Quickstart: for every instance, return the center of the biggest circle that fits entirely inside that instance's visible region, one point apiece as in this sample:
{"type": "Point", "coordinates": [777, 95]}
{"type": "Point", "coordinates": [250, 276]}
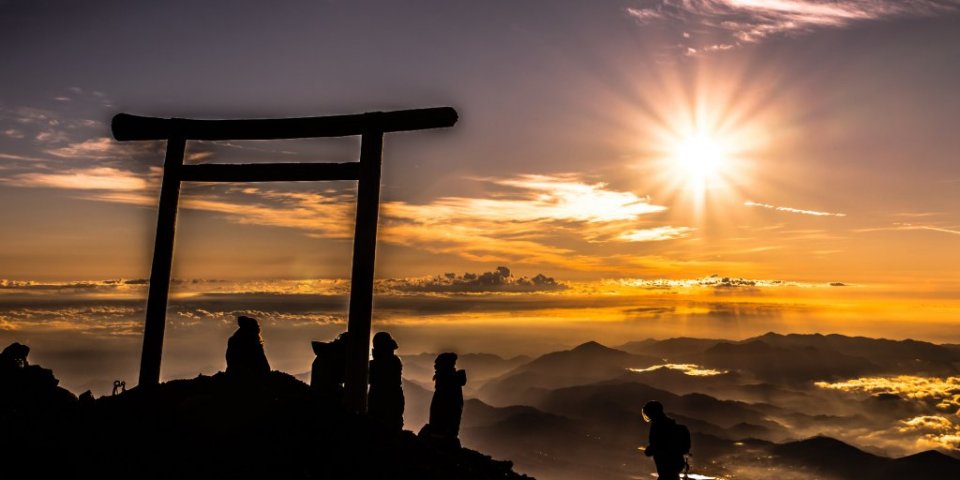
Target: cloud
{"type": "Point", "coordinates": [96, 178]}
{"type": "Point", "coordinates": [322, 215]}
{"type": "Point", "coordinates": [103, 149]}
{"type": "Point", "coordinates": [518, 221]}
{"type": "Point", "coordinates": [713, 281]}
{"type": "Point", "coordinates": [20, 158]}
{"type": "Point", "coordinates": [655, 234]}
{"type": "Point", "coordinates": [944, 392]}
{"type": "Point", "coordinates": [525, 219]}
{"type": "Point", "coordinates": [541, 198]}
{"type": "Point", "coordinates": [739, 22]}
{"type": "Point", "coordinates": [794, 210]}
{"type": "Point", "coordinates": [115, 319]}
{"type": "Point", "coordinates": [940, 396]}
{"type": "Point", "coordinates": [688, 369]}
{"type": "Point", "coordinates": [932, 228]}
{"type": "Point", "coordinates": [499, 280]}
{"type": "Point", "coordinates": [644, 15]}
{"type": "Point", "coordinates": [898, 226]}
{"type": "Point", "coordinates": [94, 148]}
{"type": "Point", "coordinates": [46, 127]}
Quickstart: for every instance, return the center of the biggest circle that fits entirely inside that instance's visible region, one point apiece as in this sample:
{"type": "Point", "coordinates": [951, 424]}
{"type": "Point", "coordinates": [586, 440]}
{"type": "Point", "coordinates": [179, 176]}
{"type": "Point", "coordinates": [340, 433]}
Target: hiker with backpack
{"type": "Point", "coordinates": [669, 442]}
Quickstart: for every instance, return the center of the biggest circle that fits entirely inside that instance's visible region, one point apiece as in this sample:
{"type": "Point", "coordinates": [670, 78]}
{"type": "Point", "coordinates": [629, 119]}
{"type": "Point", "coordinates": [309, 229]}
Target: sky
{"type": "Point", "coordinates": [704, 168]}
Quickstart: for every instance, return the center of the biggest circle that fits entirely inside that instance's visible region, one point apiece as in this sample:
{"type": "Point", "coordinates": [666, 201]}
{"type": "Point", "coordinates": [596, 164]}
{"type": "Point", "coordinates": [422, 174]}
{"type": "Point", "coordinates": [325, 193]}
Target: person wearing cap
{"type": "Point", "coordinates": [385, 401]}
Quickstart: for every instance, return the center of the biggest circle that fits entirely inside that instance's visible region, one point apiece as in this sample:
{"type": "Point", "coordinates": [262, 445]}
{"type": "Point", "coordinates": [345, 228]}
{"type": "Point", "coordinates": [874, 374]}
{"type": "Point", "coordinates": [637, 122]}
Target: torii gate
{"type": "Point", "coordinates": [370, 126]}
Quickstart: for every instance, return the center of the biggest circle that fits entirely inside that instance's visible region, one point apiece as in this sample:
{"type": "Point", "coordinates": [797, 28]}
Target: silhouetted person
{"type": "Point", "coordinates": [245, 357]}
{"type": "Point", "coordinates": [14, 358]}
{"type": "Point", "coordinates": [666, 442]}
{"type": "Point", "coordinates": [28, 390]}
{"type": "Point", "coordinates": [16, 371]}
{"type": "Point", "coordinates": [385, 401]}
{"type": "Point", "coordinates": [329, 368]}
{"type": "Point", "coordinates": [446, 407]}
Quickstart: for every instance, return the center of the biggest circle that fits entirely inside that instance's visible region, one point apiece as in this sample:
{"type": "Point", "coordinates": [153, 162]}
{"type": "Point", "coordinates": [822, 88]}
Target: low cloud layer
{"type": "Point", "coordinates": [940, 397]}
{"type": "Point", "coordinates": [499, 280]}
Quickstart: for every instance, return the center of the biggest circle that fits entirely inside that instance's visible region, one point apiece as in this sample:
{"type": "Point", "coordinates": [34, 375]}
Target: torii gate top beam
{"type": "Point", "coordinates": [177, 131]}
{"type": "Point", "coordinates": [133, 127]}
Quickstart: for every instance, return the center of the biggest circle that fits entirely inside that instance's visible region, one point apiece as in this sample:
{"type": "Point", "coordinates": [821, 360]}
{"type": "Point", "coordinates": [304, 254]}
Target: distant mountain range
{"type": "Point", "coordinates": [751, 405]}
{"type": "Point", "coordinates": [827, 456]}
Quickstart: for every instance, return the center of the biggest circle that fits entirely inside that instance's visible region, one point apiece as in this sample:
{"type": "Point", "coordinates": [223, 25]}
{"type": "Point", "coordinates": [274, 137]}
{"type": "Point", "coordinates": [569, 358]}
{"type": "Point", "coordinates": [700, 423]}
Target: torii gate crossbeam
{"type": "Point", "coordinates": [370, 126]}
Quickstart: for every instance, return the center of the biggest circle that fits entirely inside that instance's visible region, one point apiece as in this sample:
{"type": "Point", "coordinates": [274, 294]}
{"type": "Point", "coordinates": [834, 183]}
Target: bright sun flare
{"type": "Point", "coordinates": [700, 158]}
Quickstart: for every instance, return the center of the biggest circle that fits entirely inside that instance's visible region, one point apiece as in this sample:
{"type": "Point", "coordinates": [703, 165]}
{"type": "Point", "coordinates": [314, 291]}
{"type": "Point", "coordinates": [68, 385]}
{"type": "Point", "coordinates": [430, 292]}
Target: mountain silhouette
{"type": "Point", "coordinates": [587, 363]}
{"type": "Point", "coordinates": [789, 365]}
{"type": "Point", "coordinates": [579, 409]}
{"type": "Point", "coordinates": [670, 348]}
{"type": "Point", "coordinates": [814, 356]}
{"type": "Point", "coordinates": [829, 456]}
{"type": "Point", "coordinates": [894, 356]}
{"type": "Point", "coordinates": [482, 367]}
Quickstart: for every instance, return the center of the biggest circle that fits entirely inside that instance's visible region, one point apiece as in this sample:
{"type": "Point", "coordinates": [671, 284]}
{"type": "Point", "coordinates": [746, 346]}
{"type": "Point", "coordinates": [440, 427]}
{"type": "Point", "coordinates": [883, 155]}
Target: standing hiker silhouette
{"type": "Point", "coordinates": [446, 408]}
{"type": "Point", "coordinates": [669, 442]}
{"type": "Point", "coordinates": [385, 403]}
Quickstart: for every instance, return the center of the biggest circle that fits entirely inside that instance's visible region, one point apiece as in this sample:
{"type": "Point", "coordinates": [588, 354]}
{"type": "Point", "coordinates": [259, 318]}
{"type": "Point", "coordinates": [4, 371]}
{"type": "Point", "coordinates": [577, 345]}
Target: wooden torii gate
{"type": "Point", "coordinates": [370, 126]}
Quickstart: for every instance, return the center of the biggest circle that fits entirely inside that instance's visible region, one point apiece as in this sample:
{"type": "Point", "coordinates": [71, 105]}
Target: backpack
{"type": "Point", "coordinates": [680, 439]}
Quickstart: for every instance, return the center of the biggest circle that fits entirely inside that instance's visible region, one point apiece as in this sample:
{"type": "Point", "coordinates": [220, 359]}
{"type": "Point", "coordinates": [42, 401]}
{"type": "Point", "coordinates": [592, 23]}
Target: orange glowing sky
{"type": "Point", "coordinates": [796, 145]}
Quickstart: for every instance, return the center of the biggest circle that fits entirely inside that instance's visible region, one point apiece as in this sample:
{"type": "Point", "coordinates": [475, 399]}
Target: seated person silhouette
{"type": "Point", "coordinates": [665, 442]}
{"type": "Point", "coordinates": [385, 401]}
{"type": "Point", "coordinates": [329, 369]}
{"type": "Point", "coordinates": [14, 357]}
{"type": "Point", "coordinates": [17, 372]}
{"type": "Point", "coordinates": [245, 356]}
{"type": "Point", "coordinates": [446, 408]}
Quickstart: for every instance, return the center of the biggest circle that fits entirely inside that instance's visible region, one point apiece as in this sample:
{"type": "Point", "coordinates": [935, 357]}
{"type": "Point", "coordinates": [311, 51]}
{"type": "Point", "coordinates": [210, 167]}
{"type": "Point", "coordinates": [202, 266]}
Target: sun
{"type": "Point", "coordinates": [700, 166]}
{"type": "Point", "coordinates": [701, 158]}
{"type": "Point", "coordinates": [700, 161]}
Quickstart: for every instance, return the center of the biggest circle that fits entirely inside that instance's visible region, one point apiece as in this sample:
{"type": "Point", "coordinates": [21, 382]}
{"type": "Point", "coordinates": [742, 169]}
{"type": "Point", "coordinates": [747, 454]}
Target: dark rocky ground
{"type": "Point", "coordinates": [213, 427]}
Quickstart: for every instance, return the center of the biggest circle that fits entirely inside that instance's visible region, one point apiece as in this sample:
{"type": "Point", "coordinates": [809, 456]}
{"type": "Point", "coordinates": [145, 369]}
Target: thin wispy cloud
{"type": "Point", "coordinates": [749, 21]}
{"type": "Point", "coordinates": [931, 228]}
{"type": "Point", "coordinates": [317, 214]}
{"type": "Point", "coordinates": [951, 230]}
{"type": "Point", "coordinates": [97, 178]}
{"type": "Point", "coordinates": [800, 211]}
{"type": "Point", "coordinates": [656, 234]}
